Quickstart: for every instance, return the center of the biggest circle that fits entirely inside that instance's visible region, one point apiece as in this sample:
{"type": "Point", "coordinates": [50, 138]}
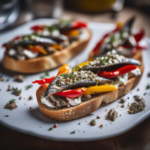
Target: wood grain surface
{"type": "Point", "coordinates": [137, 138]}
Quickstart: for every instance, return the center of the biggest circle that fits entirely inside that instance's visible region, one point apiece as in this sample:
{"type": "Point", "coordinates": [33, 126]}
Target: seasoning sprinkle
{"type": "Point", "coordinates": [6, 115]}
{"type": "Point", "coordinates": [145, 93]}
{"type": "Point", "coordinates": [55, 126]}
{"type": "Point", "coordinates": [101, 126]}
{"type": "Point", "coordinates": [122, 106]}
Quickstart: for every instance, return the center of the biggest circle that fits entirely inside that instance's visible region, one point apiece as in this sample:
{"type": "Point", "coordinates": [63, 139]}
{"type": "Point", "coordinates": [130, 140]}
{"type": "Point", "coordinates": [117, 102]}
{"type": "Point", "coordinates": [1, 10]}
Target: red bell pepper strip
{"type": "Point", "coordinates": [37, 28]}
{"type": "Point", "coordinates": [98, 45]}
{"type": "Point", "coordinates": [43, 81]}
{"type": "Point", "coordinates": [72, 93]}
{"type": "Point", "coordinates": [139, 36]}
{"type": "Point", "coordinates": [62, 69]}
{"type": "Point", "coordinates": [116, 72]}
{"type": "Point", "coordinates": [77, 25]}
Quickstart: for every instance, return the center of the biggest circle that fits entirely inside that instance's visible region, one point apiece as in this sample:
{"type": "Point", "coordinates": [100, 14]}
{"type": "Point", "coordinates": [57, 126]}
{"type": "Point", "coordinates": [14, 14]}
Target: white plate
{"type": "Point", "coordinates": [31, 121]}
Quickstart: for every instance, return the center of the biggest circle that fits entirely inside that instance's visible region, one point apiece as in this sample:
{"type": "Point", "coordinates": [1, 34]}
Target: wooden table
{"type": "Point", "coordinates": [137, 138]}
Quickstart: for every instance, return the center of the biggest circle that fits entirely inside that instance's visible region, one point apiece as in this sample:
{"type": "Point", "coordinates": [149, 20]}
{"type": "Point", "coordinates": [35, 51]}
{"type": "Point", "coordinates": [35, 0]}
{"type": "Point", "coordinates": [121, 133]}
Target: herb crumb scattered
{"type": "Point", "coordinates": [145, 93]}
{"type": "Point", "coordinates": [16, 91]}
{"type": "Point", "coordinates": [122, 100]}
{"type": "Point", "coordinates": [6, 115]}
{"type": "Point", "coordinates": [9, 88]}
{"type": "Point", "coordinates": [79, 123]}
{"type": "Point", "coordinates": [98, 117]}
{"type": "Point", "coordinates": [93, 122]}
{"type": "Point", "coordinates": [20, 97]}
{"type": "Point", "coordinates": [11, 105]}
{"type": "Point", "coordinates": [30, 97]}
{"type": "Point", "coordinates": [19, 78]}
{"type": "Point", "coordinates": [122, 106]}
{"type": "Point", "coordinates": [138, 89]}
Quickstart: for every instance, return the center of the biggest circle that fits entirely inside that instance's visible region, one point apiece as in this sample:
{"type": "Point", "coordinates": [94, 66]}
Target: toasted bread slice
{"type": "Point", "coordinates": [47, 62]}
{"type": "Point", "coordinates": [87, 107]}
{"type": "Point", "coordinates": [138, 55]}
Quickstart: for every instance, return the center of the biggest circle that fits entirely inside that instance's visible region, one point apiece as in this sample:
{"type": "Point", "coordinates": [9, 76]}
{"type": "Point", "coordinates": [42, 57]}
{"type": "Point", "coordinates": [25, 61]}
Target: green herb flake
{"type": "Point", "coordinates": [100, 60]}
{"type": "Point", "coordinates": [11, 101]}
{"type": "Point", "coordinates": [128, 98]}
{"type": "Point", "coordinates": [73, 132]}
{"type": "Point", "coordinates": [70, 76]}
{"type": "Point", "coordinates": [28, 87]}
{"type": "Point", "coordinates": [50, 129]}
{"type": "Point", "coordinates": [145, 93]}
{"type": "Point", "coordinates": [148, 87]}
{"type": "Point", "coordinates": [42, 77]}
{"type": "Point", "coordinates": [46, 73]}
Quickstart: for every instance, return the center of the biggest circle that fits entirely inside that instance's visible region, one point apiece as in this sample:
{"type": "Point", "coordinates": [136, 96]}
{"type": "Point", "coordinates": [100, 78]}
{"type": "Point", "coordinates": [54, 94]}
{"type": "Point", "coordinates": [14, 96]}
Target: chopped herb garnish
{"type": "Point", "coordinates": [100, 60]}
{"type": "Point", "coordinates": [11, 101]}
{"type": "Point", "coordinates": [148, 87]}
{"type": "Point", "coordinates": [50, 129]}
{"type": "Point", "coordinates": [70, 76]}
{"type": "Point", "coordinates": [6, 115]}
{"type": "Point", "coordinates": [73, 132]}
{"type": "Point", "coordinates": [145, 93]}
{"type": "Point", "coordinates": [28, 87]}
{"type": "Point", "coordinates": [42, 77]}
{"type": "Point", "coordinates": [128, 98]}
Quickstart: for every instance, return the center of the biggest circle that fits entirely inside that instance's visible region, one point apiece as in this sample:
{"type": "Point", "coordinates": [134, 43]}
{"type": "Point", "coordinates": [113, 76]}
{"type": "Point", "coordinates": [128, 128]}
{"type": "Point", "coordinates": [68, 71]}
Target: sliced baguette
{"type": "Point", "coordinates": [65, 114]}
{"type": "Point", "coordinates": [47, 62]}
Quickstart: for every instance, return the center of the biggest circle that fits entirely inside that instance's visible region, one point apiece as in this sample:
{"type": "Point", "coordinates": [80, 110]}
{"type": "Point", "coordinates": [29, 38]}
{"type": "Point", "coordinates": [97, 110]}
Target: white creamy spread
{"type": "Point", "coordinates": [136, 72]}
{"type": "Point", "coordinates": [30, 54]}
{"type": "Point", "coordinates": [47, 102]}
{"type": "Point", "coordinates": [123, 79]}
{"type": "Point", "coordinates": [84, 35]}
{"type": "Point", "coordinates": [74, 102]}
{"type": "Point", "coordinates": [11, 52]}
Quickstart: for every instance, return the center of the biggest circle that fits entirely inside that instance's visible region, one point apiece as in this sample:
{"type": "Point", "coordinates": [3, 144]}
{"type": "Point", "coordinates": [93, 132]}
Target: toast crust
{"type": "Point", "coordinates": [46, 62]}
{"type": "Point", "coordinates": [65, 114]}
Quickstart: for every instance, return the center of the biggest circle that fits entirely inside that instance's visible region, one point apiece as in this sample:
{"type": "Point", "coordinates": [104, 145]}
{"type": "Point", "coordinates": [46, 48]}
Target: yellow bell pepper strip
{"type": "Point", "coordinates": [38, 48]}
{"type": "Point", "coordinates": [72, 33]}
{"type": "Point", "coordinates": [73, 93]}
{"type": "Point", "coordinates": [99, 89]}
{"type": "Point", "coordinates": [78, 67]}
{"type": "Point", "coordinates": [63, 69]}
{"type": "Point", "coordinates": [57, 47]}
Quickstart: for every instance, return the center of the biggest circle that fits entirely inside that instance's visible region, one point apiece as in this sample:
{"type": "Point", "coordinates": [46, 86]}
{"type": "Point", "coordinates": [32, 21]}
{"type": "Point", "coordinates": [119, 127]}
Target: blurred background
{"type": "Point", "coordinates": [16, 12]}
